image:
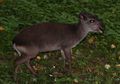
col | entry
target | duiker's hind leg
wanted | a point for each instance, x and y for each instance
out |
(26, 55)
(19, 60)
(23, 59)
(30, 68)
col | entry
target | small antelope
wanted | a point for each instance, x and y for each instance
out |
(45, 37)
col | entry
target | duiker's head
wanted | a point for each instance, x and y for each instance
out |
(90, 22)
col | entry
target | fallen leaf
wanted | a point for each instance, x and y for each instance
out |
(91, 40)
(1, 28)
(114, 74)
(119, 57)
(39, 67)
(35, 68)
(57, 74)
(1, 1)
(118, 65)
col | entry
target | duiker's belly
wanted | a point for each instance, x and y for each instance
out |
(48, 47)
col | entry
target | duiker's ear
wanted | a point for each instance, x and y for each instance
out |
(82, 16)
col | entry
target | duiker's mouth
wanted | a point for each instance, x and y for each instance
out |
(100, 31)
(101, 26)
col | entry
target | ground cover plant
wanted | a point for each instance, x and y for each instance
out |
(96, 60)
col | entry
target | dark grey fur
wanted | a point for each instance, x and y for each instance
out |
(51, 36)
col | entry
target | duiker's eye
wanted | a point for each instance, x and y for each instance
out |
(91, 21)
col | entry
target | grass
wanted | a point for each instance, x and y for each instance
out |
(89, 58)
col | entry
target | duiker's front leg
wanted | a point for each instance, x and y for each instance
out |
(68, 59)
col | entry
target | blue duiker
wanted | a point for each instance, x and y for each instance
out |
(45, 37)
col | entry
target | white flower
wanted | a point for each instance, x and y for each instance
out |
(113, 46)
(75, 80)
(34, 79)
(54, 67)
(107, 66)
(38, 57)
(45, 57)
(50, 75)
(55, 79)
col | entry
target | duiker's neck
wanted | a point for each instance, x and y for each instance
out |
(82, 31)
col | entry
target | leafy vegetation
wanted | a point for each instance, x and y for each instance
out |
(95, 61)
